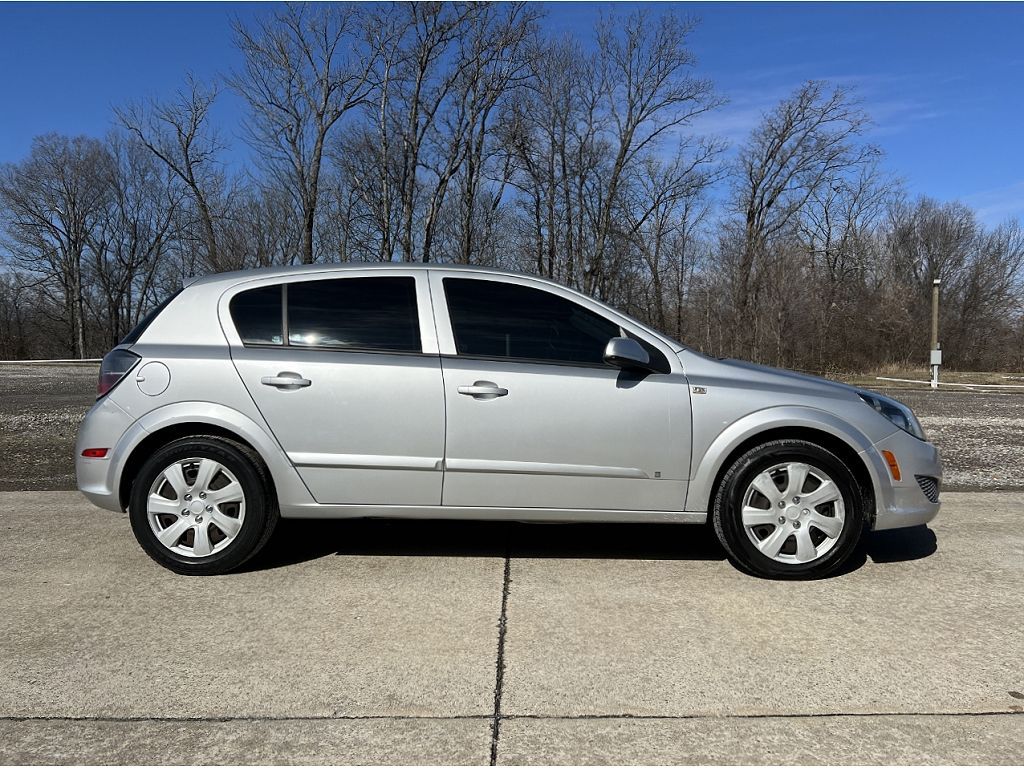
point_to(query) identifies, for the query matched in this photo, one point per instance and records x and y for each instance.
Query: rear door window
(257, 315)
(369, 313)
(351, 313)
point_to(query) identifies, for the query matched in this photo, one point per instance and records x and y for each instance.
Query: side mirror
(627, 354)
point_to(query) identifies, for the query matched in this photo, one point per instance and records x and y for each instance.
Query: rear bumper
(102, 427)
(904, 503)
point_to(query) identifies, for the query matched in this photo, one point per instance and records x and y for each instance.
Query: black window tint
(257, 315)
(377, 313)
(493, 319)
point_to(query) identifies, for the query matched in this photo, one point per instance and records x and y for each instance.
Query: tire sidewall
(729, 503)
(257, 514)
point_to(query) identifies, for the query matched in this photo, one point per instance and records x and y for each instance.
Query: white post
(936, 351)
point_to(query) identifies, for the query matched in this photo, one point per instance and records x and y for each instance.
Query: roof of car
(248, 274)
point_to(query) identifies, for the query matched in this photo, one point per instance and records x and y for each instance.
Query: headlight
(895, 412)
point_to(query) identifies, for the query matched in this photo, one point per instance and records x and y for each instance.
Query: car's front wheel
(202, 505)
(789, 509)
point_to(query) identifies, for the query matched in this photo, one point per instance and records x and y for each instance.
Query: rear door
(344, 368)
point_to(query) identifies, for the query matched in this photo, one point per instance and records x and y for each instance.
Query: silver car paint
(368, 437)
(630, 439)
(385, 444)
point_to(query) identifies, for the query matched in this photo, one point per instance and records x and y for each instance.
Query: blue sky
(943, 82)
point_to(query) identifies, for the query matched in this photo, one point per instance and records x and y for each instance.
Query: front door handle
(287, 380)
(483, 390)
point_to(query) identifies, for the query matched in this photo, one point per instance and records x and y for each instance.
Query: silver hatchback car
(422, 391)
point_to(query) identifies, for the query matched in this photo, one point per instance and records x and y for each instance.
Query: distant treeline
(463, 132)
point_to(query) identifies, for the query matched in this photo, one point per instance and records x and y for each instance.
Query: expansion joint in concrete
(499, 674)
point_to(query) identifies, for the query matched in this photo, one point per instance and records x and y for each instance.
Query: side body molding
(290, 488)
(703, 476)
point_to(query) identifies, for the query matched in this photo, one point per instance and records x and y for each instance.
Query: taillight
(115, 365)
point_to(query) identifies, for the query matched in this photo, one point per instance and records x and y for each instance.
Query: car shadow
(896, 546)
(298, 541)
(902, 544)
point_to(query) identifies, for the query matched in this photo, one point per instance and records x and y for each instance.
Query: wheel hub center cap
(196, 507)
(792, 513)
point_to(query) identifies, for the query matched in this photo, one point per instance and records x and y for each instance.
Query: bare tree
(980, 270)
(131, 236)
(16, 316)
(426, 72)
(490, 60)
(806, 143)
(180, 134)
(836, 230)
(662, 214)
(579, 142)
(546, 137)
(262, 228)
(49, 204)
(305, 68)
(466, 132)
(498, 51)
(644, 66)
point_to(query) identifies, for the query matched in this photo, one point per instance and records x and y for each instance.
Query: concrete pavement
(379, 642)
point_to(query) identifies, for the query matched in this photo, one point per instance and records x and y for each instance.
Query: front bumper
(904, 503)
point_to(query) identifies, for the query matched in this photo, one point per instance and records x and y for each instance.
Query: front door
(536, 419)
(338, 368)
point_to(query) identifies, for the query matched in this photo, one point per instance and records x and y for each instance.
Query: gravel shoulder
(980, 433)
(40, 409)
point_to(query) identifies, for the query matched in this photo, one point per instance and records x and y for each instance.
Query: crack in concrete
(499, 675)
(491, 717)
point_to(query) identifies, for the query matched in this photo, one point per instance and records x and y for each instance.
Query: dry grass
(870, 378)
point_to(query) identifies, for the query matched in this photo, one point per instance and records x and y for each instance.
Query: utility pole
(936, 350)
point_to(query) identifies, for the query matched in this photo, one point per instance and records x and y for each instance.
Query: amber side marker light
(894, 466)
(95, 453)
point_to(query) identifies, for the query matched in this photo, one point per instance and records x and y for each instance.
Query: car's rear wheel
(202, 505)
(789, 509)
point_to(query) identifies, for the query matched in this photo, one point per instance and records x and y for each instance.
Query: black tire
(728, 502)
(261, 510)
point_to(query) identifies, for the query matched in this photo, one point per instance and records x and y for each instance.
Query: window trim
(285, 340)
(530, 361)
(351, 350)
(446, 334)
(424, 308)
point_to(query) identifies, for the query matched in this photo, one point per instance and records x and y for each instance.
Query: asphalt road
(427, 642)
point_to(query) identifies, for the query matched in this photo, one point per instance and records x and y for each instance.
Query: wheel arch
(818, 427)
(185, 419)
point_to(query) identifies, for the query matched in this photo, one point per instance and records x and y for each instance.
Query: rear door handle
(483, 390)
(286, 380)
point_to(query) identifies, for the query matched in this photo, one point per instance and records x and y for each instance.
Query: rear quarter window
(135, 333)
